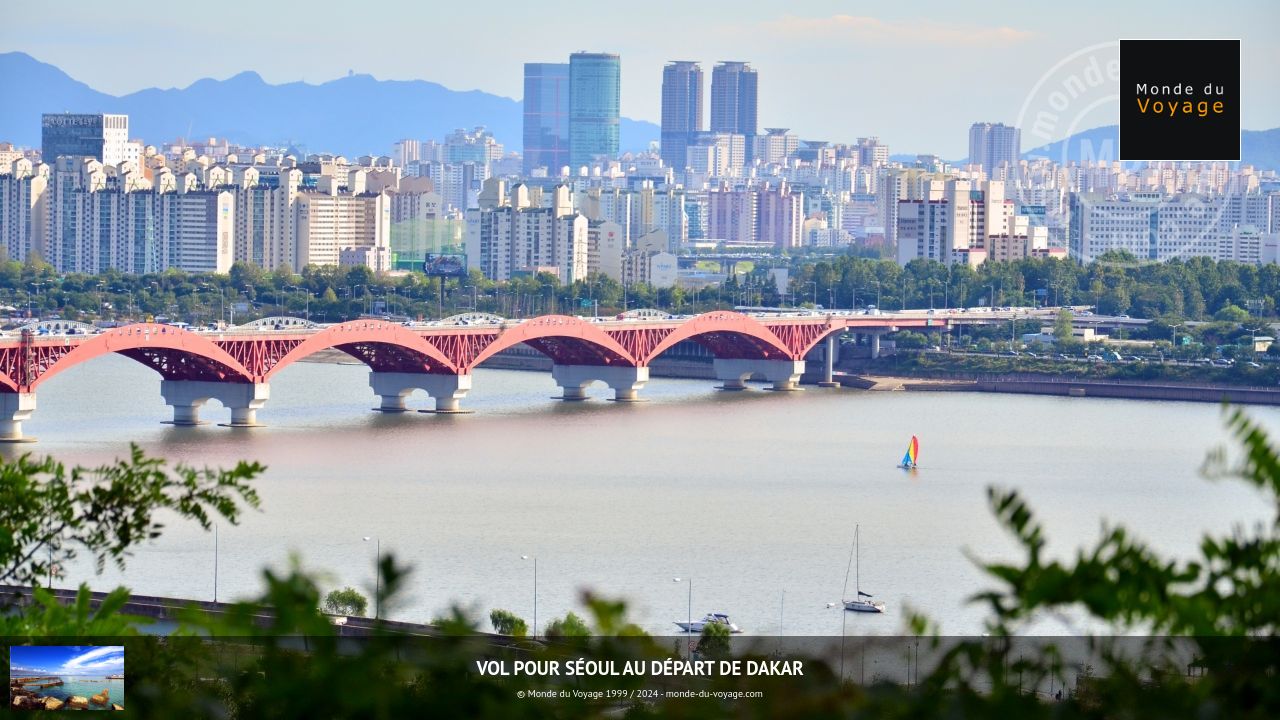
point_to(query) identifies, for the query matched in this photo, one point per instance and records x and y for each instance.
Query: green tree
(1114, 300)
(1232, 314)
(910, 340)
(347, 601)
(506, 622)
(50, 515)
(244, 274)
(714, 641)
(570, 626)
(1063, 328)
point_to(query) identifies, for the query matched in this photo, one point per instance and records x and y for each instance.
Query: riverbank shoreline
(1065, 387)
(868, 379)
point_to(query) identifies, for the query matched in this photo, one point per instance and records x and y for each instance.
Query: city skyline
(815, 61)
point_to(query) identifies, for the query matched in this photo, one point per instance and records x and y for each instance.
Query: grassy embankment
(961, 364)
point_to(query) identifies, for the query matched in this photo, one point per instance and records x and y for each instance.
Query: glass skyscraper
(681, 110)
(98, 136)
(595, 81)
(734, 101)
(546, 116)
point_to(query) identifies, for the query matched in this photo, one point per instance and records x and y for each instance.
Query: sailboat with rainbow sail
(913, 452)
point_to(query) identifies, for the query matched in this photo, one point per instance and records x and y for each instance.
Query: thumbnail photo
(66, 677)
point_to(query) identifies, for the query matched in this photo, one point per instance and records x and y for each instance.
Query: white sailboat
(861, 601)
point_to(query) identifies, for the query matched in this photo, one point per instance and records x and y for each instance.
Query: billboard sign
(445, 265)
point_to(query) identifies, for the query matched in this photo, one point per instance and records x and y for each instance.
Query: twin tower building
(572, 113)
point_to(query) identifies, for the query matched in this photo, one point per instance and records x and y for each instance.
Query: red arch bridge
(235, 365)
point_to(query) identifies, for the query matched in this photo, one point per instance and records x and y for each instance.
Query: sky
(915, 74)
(85, 660)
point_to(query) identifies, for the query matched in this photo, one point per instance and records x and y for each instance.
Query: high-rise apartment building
(681, 110)
(775, 146)
(766, 214)
(22, 211)
(606, 247)
(265, 218)
(734, 102)
(957, 221)
(104, 138)
(546, 117)
(102, 217)
(994, 145)
(1158, 226)
(595, 82)
(329, 222)
(717, 155)
(508, 233)
(477, 146)
(871, 152)
(407, 151)
(780, 217)
(194, 229)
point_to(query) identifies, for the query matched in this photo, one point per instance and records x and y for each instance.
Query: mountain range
(1259, 148)
(353, 115)
(346, 115)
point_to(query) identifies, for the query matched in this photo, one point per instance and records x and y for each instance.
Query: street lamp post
(844, 618)
(535, 592)
(215, 562)
(37, 287)
(689, 626)
(377, 588)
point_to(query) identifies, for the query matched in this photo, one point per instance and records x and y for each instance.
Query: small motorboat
(708, 619)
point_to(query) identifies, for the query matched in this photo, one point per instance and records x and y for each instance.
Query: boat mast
(845, 592)
(857, 578)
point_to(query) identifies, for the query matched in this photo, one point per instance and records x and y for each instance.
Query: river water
(754, 496)
(86, 687)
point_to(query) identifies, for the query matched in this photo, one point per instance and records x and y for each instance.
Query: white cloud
(108, 658)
